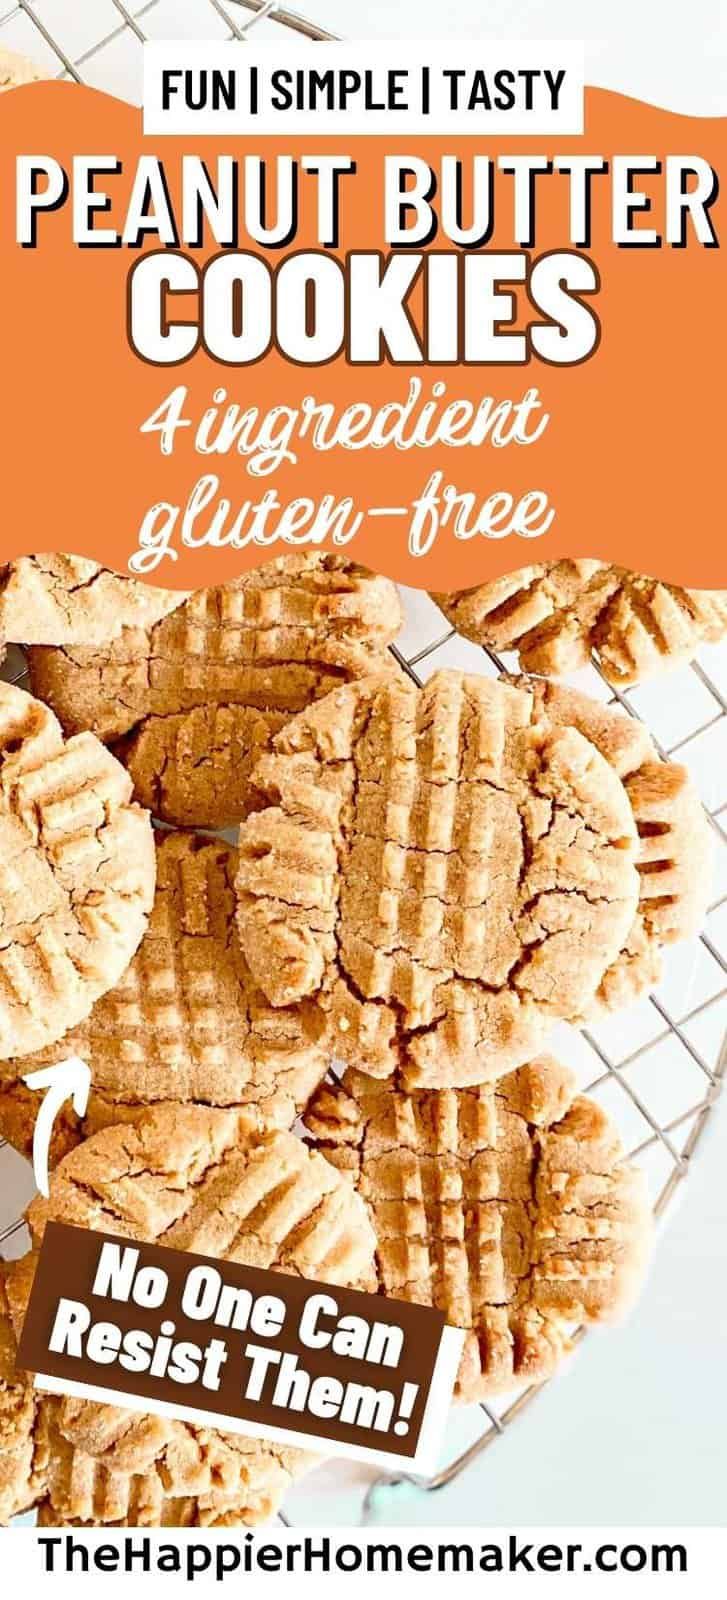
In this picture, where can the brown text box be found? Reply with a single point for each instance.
(67, 1269)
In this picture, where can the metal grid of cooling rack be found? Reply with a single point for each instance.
(660, 1093)
(98, 42)
(673, 1136)
(659, 1067)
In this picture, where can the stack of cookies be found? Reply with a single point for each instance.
(421, 883)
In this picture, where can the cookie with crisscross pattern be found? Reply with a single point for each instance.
(191, 703)
(186, 1022)
(558, 614)
(77, 871)
(43, 1464)
(508, 1207)
(444, 871)
(219, 1183)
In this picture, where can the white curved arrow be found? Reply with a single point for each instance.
(67, 1080)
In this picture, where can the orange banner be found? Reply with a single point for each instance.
(617, 457)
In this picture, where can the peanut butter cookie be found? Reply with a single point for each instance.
(41, 1466)
(76, 874)
(283, 1207)
(443, 870)
(508, 1207)
(67, 600)
(23, 1459)
(194, 700)
(110, 1500)
(222, 1184)
(197, 766)
(558, 614)
(83, 1492)
(675, 846)
(186, 1022)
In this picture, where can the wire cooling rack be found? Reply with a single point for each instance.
(98, 42)
(656, 1068)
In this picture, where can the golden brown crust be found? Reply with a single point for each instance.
(508, 1207)
(557, 614)
(186, 1022)
(442, 870)
(76, 875)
